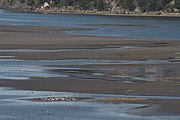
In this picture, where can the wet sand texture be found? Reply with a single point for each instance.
(92, 48)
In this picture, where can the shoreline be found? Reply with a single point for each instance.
(173, 15)
(113, 14)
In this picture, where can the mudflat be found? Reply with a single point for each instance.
(122, 65)
(21, 37)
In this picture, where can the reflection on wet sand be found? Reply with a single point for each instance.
(110, 70)
(116, 67)
(131, 73)
(137, 106)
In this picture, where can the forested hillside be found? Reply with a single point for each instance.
(93, 6)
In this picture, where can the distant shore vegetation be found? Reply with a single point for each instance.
(113, 6)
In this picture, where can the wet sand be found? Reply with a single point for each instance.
(159, 106)
(93, 86)
(91, 48)
(13, 37)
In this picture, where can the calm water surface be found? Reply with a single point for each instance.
(116, 26)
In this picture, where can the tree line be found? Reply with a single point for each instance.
(101, 5)
(150, 5)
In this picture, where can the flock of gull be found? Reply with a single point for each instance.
(52, 99)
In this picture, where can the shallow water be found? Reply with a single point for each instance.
(64, 50)
(18, 109)
(86, 69)
(165, 28)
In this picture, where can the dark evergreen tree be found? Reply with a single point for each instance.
(128, 4)
(177, 4)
